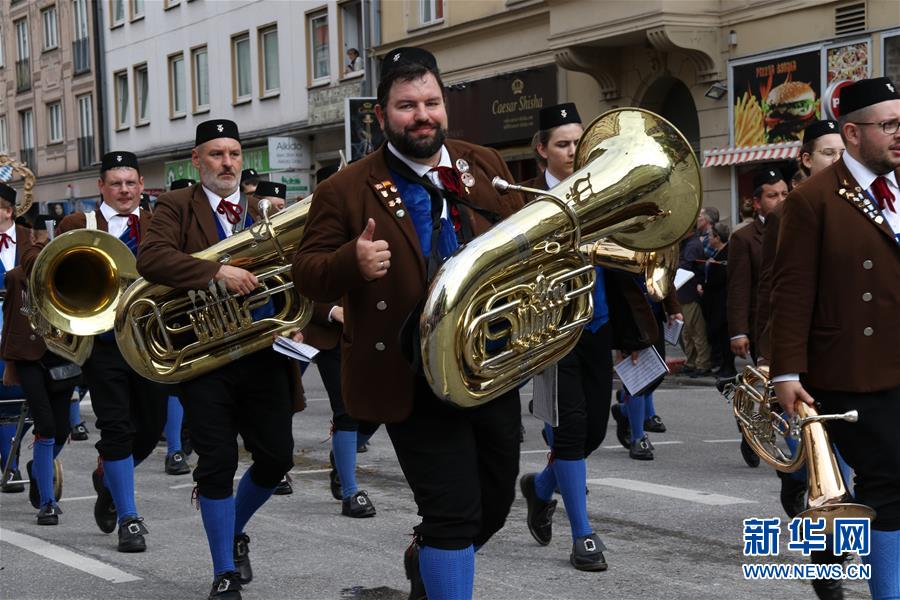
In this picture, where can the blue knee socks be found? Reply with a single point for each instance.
(634, 407)
(248, 500)
(545, 483)
(7, 433)
(884, 558)
(548, 433)
(174, 417)
(42, 468)
(343, 443)
(571, 475)
(447, 574)
(74, 413)
(649, 409)
(118, 475)
(218, 521)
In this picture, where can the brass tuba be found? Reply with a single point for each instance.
(762, 425)
(657, 267)
(170, 335)
(514, 300)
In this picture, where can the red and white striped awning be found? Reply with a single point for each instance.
(721, 157)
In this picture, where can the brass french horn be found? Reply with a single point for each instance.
(515, 299)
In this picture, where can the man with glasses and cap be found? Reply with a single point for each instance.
(836, 308)
(131, 411)
(249, 181)
(378, 230)
(254, 395)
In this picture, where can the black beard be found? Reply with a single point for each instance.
(407, 146)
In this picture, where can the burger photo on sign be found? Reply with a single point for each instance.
(789, 108)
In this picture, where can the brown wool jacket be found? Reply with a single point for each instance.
(744, 254)
(18, 341)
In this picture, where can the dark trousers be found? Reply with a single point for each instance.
(329, 364)
(251, 397)
(48, 400)
(131, 410)
(871, 446)
(461, 464)
(584, 392)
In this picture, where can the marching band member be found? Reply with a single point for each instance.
(130, 410)
(251, 396)
(29, 363)
(377, 232)
(835, 306)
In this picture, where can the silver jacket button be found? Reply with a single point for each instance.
(382, 305)
(867, 297)
(867, 264)
(379, 346)
(868, 331)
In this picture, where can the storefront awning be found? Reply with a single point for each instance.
(721, 157)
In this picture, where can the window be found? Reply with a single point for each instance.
(4, 138)
(176, 85)
(23, 69)
(54, 122)
(137, 9)
(167, 4)
(1, 46)
(121, 91)
(200, 78)
(431, 10)
(351, 38)
(26, 154)
(51, 33)
(268, 61)
(116, 13)
(318, 39)
(141, 95)
(85, 131)
(80, 47)
(240, 67)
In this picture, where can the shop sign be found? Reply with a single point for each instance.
(844, 65)
(362, 133)
(297, 182)
(288, 152)
(253, 158)
(326, 104)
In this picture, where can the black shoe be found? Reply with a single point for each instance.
(79, 433)
(104, 508)
(641, 450)
(34, 492)
(587, 554)
(521, 434)
(131, 535)
(623, 427)
(793, 495)
(701, 373)
(176, 464)
(284, 487)
(226, 586)
(14, 488)
(411, 566)
(358, 506)
(688, 371)
(654, 425)
(540, 512)
(827, 589)
(242, 558)
(360, 448)
(49, 514)
(749, 455)
(335, 479)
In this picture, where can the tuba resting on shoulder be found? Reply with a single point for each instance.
(170, 335)
(514, 300)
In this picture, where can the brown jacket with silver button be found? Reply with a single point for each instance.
(378, 384)
(18, 342)
(836, 290)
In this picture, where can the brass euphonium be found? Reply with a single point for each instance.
(657, 267)
(762, 425)
(170, 335)
(514, 300)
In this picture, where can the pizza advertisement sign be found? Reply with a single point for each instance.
(844, 64)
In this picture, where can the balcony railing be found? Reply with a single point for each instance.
(26, 155)
(23, 75)
(81, 53)
(85, 151)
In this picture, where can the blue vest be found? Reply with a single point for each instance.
(418, 205)
(129, 240)
(601, 309)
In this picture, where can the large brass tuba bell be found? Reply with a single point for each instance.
(514, 300)
(762, 425)
(657, 267)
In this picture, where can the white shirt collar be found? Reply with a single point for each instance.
(11, 232)
(109, 212)
(552, 180)
(418, 168)
(865, 177)
(234, 197)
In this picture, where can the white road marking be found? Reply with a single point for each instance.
(660, 443)
(73, 499)
(66, 557)
(236, 477)
(669, 491)
(734, 441)
(544, 451)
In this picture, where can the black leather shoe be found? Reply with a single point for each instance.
(701, 373)
(13, 488)
(104, 508)
(587, 554)
(34, 492)
(176, 464)
(623, 427)
(335, 480)
(749, 455)
(411, 566)
(540, 512)
(654, 425)
(688, 371)
(284, 487)
(358, 506)
(827, 589)
(641, 450)
(49, 514)
(226, 586)
(79, 433)
(242, 558)
(131, 535)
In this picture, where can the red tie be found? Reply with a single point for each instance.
(450, 179)
(231, 211)
(883, 193)
(5, 241)
(134, 228)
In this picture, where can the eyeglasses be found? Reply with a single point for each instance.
(888, 127)
(831, 152)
